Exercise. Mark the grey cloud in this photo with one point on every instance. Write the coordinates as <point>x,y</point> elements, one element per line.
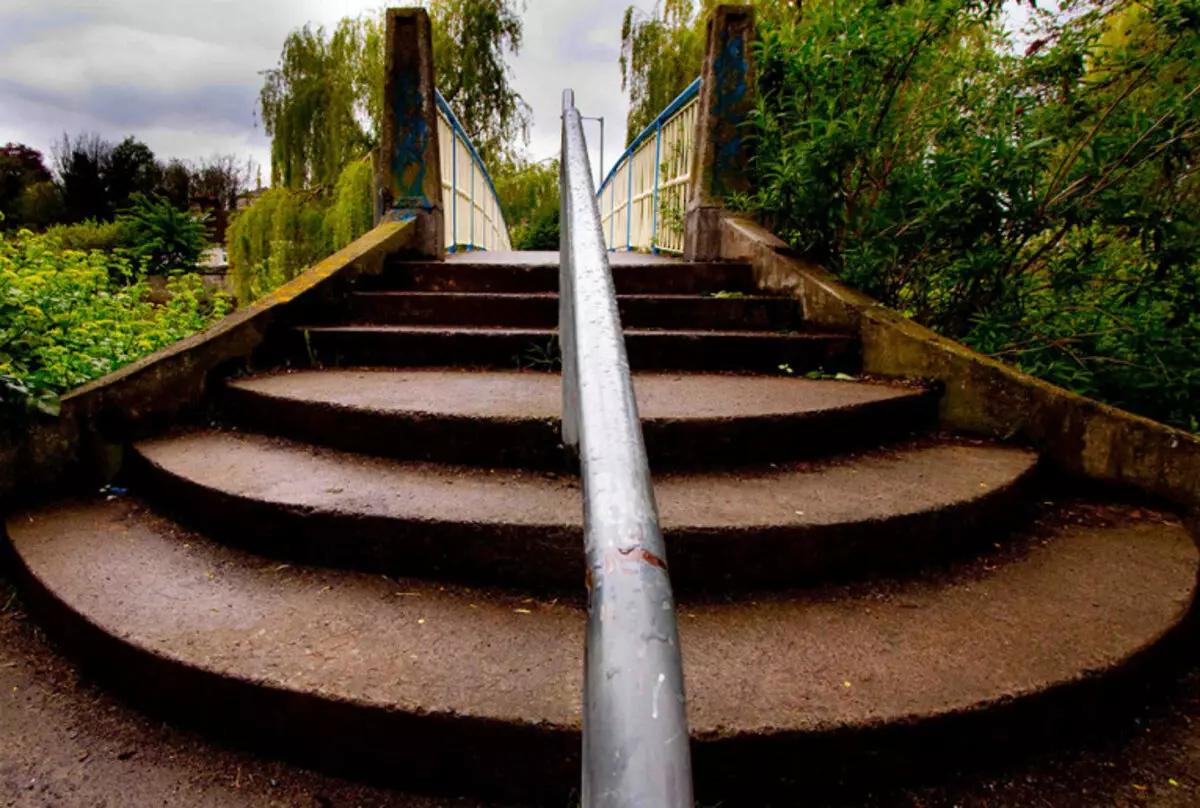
<point>209,108</point>
<point>17,28</point>
<point>196,94</point>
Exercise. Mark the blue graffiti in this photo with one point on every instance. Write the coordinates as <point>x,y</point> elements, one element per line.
<point>730,68</point>
<point>411,144</point>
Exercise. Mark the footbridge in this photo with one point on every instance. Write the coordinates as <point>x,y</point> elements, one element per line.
<point>667,515</point>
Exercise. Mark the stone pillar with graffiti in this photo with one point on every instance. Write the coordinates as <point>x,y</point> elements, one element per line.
<point>411,167</point>
<point>720,151</point>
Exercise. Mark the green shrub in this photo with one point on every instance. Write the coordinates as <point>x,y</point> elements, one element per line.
<point>89,235</point>
<point>64,321</point>
<point>163,237</point>
<point>1041,206</point>
<point>539,234</point>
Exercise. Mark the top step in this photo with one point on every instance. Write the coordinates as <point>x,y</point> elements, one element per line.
<point>660,277</point>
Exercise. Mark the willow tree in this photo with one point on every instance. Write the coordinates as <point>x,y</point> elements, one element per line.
<point>470,40</point>
<point>662,51</point>
<point>323,104</point>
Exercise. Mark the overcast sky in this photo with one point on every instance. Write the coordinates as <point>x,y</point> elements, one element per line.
<point>183,75</point>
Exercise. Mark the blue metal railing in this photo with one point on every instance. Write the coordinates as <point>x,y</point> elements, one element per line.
<point>663,128</point>
<point>494,233</point>
<point>692,92</point>
<point>635,736</point>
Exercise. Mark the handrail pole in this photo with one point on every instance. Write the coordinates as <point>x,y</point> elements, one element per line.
<point>635,736</point>
<point>566,317</point>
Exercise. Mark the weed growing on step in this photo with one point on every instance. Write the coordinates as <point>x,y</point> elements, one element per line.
<point>546,357</point>
<point>819,374</point>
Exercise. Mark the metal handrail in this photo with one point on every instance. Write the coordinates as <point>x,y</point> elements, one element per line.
<point>635,736</point>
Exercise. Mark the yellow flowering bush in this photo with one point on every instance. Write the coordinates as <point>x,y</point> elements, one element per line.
<point>67,317</point>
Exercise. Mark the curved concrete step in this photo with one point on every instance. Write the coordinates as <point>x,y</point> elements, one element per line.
<point>760,529</point>
<point>631,275</point>
<point>537,348</point>
<point>540,310</point>
<point>511,418</point>
<point>481,693</point>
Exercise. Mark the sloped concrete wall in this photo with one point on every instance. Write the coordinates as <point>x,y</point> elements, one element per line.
<point>982,396</point>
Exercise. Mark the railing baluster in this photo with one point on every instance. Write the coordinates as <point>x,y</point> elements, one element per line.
<point>612,216</point>
<point>453,190</point>
<point>654,204</point>
<point>629,205</point>
<point>635,737</point>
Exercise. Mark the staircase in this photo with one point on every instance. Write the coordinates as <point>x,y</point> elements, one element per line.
<point>371,561</point>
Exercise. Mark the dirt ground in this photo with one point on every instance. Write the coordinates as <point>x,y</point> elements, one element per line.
<point>65,742</point>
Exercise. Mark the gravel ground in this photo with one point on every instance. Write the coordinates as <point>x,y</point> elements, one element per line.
<point>64,742</point>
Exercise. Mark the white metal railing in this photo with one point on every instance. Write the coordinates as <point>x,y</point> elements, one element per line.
<point>644,198</point>
<point>474,219</point>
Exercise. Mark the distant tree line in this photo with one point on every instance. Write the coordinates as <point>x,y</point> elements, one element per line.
<point>92,179</point>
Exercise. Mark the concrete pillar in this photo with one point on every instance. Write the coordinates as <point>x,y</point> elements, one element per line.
<point>412,168</point>
<point>720,152</point>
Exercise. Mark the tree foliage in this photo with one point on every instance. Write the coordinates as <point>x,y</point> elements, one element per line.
<point>470,41</point>
<point>322,105</point>
<point>284,231</point>
<point>20,168</point>
<point>94,180</point>
<point>662,52</point>
<point>79,163</point>
<point>1042,206</point>
<point>529,195</point>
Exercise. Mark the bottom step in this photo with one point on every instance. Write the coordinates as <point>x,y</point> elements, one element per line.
<point>469,691</point>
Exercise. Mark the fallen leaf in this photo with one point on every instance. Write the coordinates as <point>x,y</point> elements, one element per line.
<point>522,611</point>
